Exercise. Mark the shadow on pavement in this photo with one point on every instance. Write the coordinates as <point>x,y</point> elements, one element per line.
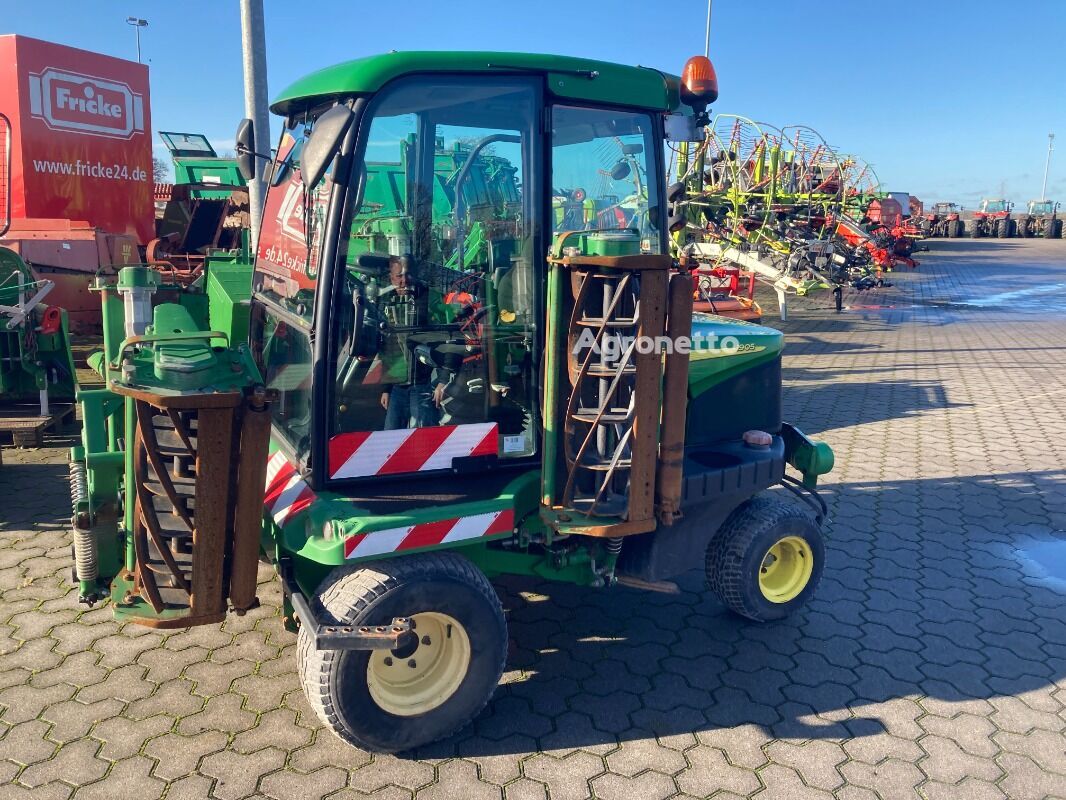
<point>929,592</point>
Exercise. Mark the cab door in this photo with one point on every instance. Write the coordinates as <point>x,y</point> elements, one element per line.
<point>434,334</point>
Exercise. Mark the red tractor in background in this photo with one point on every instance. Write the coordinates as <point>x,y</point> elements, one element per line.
<point>992,219</point>
<point>943,221</point>
<point>1040,219</point>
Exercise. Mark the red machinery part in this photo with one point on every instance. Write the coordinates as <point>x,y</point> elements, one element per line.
<point>51,321</point>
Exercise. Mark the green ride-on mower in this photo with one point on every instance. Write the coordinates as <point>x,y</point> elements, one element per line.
<point>454,370</point>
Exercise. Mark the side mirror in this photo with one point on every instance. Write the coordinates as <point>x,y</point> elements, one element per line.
<point>246,149</point>
<point>621,169</point>
<point>323,143</point>
<point>675,219</point>
<point>674,192</point>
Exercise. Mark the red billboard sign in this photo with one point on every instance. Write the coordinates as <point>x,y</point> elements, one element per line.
<point>81,136</point>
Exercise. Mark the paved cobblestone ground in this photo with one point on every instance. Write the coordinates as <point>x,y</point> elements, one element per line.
<point>932,663</point>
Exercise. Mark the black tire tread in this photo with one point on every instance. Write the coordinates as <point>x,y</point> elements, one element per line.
<point>726,551</point>
<point>347,591</point>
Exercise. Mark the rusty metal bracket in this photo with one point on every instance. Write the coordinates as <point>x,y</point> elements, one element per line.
<point>397,635</point>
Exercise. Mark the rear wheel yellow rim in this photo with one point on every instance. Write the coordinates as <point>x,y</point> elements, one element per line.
<point>421,680</point>
<point>786,569</point>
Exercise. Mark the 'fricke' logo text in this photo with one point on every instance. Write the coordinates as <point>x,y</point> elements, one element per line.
<point>68,101</point>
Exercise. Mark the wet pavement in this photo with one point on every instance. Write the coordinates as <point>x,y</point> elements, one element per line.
<point>932,662</point>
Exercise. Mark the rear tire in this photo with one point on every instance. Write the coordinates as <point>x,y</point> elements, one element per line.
<point>390,701</point>
<point>766,560</point>
<point>1003,228</point>
<point>960,228</point>
<point>950,229</point>
<point>975,229</point>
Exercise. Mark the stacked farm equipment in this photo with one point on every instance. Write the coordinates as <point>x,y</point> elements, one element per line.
<point>782,206</point>
<point>205,213</point>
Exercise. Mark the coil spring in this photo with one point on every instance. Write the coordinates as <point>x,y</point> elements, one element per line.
<point>614,545</point>
<point>85,561</point>
<point>79,484</point>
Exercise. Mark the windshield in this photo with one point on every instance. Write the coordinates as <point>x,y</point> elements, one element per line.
<point>993,206</point>
<point>1040,208</point>
<point>601,163</point>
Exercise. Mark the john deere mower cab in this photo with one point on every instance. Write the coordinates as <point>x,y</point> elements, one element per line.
<point>478,358</point>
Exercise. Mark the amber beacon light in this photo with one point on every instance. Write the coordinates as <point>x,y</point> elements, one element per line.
<point>699,83</point>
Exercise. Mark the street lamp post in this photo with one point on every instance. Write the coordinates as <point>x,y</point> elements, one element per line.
<point>137,24</point>
<point>707,38</point>
<point>253,47</point>
<point>1047,164</point>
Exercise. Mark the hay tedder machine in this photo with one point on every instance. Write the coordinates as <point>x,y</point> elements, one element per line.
<point>470,354</point>
<point>992,219</point>
<point>781,206</point>
<point>1041,218</point>
<point>944,221</point>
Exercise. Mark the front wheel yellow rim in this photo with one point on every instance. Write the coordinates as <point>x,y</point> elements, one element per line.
<point>414,682</point>
<point>786,569</point>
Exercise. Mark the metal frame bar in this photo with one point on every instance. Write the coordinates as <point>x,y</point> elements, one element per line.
<point>394,636</point>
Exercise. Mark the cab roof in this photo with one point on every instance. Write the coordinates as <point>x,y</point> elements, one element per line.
<point>567,77</point>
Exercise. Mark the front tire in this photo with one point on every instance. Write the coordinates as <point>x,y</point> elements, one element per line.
<point>389,701</point>
<point>766,560</point>
<point>1052,228</point>
<point>1023,229</point>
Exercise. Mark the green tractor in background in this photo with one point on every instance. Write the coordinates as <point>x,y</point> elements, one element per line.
<point>469,354</point>
<point>1041,218</point>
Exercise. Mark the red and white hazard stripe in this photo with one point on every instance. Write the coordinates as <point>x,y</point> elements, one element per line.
<point>427,534</point>
<point>364,453</point>
<point>287,494</point>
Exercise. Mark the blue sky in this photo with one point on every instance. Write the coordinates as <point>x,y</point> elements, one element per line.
<point>945,99</point>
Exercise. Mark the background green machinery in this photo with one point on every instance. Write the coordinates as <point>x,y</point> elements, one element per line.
<point>32,360</point>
